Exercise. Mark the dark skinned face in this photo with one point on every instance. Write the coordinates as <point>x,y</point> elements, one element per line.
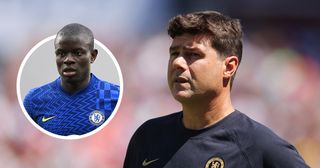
<point>73,58</point>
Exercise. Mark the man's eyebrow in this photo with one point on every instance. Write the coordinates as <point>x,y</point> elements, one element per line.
<point>172,48</point>
<point>188,48</point>
<point>191,47</point>
<point>58,49</point>
<point>184,47</point>
<point>77,49</point>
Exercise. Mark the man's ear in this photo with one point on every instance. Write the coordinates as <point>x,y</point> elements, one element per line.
<point>94,54</point>
<point>231,64</point>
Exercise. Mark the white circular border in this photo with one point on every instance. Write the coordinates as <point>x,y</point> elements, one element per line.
<point>70,137</point>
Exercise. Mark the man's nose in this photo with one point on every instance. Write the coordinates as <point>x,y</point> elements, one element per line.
<point>179,63</point>
<point>68,59</point>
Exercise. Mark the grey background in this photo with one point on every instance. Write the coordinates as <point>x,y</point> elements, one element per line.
<point>41,68</point>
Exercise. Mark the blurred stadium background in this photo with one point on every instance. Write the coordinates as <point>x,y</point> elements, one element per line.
<point>277,83</point>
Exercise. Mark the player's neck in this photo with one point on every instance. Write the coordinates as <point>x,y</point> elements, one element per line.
<point>202,114</point>
<point>73,87</point>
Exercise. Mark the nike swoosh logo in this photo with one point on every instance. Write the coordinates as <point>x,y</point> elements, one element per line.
<point>44,119</point>
<point>146,163</point>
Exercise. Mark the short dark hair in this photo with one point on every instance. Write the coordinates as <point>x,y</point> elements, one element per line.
<point>225,33</point>
<point>76,29</point>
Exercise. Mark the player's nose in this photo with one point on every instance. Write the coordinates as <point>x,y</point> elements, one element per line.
<point>68,59</point>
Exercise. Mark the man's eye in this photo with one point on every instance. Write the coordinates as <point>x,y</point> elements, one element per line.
<point>60,53</point>
<point>174,54</point>
<point>78,53</point>
<point>193,55</point>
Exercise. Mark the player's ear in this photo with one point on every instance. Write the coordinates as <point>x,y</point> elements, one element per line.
<point>231,64</point>
<point>94,54</point>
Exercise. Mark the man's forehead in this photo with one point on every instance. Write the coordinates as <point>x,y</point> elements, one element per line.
<point>189,41</point>
<point>79,37</point>
<point>72,40</point>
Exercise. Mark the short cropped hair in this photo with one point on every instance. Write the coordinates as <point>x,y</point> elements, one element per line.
<point>225,33</point>
<point>77,29</point>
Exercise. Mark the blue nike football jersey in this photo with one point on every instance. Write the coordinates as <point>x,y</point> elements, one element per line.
<point>62,113</point>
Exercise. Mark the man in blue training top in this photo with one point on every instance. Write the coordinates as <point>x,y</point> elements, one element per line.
<point>209,132</point>
<point>77,102</point>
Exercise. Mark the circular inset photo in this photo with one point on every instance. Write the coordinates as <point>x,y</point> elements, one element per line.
<point>70,85</point>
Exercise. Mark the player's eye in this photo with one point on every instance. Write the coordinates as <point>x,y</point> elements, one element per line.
<point>78,52</point>
<point>60,53</point>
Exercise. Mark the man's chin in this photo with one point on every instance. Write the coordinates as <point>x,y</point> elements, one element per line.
<point>70,79</point>
<point>182,96</point>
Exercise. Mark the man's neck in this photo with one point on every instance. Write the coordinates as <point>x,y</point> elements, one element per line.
<point>201,114</point>
<point>73,87</point>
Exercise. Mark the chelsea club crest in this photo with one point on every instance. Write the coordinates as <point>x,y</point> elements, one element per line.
<point>96,118</point>
<point>215,162</point>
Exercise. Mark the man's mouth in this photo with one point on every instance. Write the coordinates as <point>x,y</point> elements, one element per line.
<point>181,79</point>
<point>69,72</point>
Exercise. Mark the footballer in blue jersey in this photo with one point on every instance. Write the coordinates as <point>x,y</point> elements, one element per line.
<point>77,102</point>
<point>205,53</point>
<point>77,113</point>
